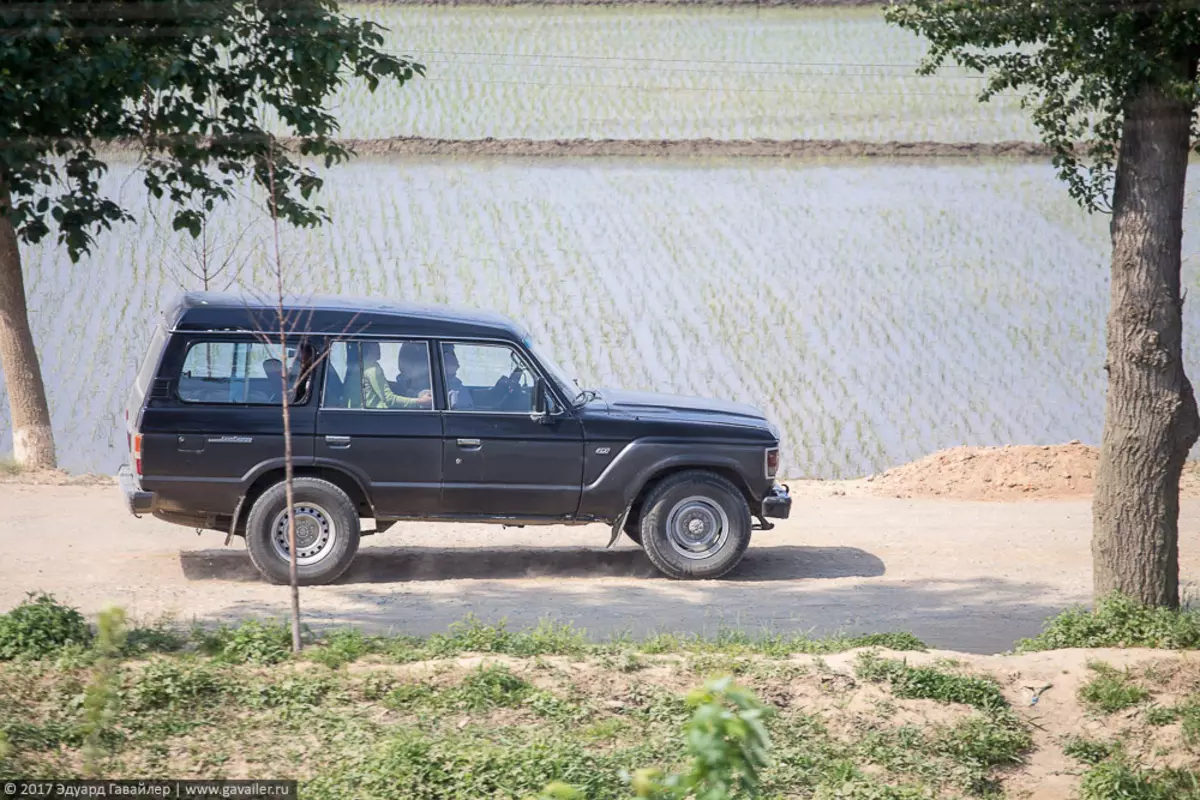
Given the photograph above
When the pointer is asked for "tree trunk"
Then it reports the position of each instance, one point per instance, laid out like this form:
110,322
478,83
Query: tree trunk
1150,418
33,439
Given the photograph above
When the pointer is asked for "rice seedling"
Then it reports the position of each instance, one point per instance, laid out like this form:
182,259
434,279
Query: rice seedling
749,281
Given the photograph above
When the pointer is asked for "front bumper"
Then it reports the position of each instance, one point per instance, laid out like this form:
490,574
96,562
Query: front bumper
778,503
137,501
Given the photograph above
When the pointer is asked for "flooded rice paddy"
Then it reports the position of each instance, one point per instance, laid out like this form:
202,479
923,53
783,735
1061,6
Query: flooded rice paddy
669,73
876,311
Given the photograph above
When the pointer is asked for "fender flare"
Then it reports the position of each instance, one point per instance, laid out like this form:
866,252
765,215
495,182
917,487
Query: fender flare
252,477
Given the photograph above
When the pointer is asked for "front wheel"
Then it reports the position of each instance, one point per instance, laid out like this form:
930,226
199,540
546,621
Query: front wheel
327,532
696,525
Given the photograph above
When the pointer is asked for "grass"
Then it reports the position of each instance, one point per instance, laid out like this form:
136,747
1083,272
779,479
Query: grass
1118,621
414,719
1111,690
931,683
1089,751
1186,713
449,731
1116,779
9,466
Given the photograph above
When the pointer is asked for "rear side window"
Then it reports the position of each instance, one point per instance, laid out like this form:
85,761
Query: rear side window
150,362
243,372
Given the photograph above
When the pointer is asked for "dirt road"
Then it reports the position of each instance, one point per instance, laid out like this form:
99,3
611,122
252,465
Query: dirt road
962,575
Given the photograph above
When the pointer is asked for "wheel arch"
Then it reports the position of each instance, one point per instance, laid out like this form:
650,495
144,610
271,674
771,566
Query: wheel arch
652,482
270,474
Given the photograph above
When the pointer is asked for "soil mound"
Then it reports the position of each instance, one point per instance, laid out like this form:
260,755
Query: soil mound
1004,473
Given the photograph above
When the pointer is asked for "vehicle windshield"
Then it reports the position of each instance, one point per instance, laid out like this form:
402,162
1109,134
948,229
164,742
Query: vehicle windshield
570,387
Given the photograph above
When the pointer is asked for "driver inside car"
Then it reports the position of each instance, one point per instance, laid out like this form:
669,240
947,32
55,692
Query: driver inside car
459,395
273,368
377,392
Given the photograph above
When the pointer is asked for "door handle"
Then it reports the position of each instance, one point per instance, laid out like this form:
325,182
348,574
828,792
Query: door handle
470,444
340,442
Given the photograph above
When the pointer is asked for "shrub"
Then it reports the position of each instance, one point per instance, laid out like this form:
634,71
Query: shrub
1110,690
41,627
252,642
1118,621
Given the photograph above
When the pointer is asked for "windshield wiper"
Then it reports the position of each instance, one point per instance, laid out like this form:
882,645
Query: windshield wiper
585,396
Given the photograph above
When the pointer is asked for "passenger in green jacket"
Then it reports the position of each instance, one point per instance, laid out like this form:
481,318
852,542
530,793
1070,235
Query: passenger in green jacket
377,393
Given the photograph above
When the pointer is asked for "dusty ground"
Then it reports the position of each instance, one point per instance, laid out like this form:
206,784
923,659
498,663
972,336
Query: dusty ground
962,575
1012,472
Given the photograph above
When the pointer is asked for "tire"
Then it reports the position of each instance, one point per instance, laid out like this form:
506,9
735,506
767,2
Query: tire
695,525
326,520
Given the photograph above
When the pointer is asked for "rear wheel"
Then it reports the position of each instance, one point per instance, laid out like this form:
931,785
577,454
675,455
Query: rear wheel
327,532
695,525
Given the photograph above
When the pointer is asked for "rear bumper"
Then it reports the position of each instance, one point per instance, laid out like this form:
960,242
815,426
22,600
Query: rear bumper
137,501
778,503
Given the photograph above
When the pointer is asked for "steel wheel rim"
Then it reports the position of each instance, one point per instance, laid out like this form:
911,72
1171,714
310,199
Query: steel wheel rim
697,527
316,534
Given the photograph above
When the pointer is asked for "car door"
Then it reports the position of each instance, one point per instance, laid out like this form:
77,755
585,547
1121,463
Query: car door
368,426
215,416
498,460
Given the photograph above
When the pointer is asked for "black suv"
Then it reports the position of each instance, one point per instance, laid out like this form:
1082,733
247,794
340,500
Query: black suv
402,412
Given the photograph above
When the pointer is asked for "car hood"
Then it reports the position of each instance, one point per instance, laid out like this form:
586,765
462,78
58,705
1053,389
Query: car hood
652,404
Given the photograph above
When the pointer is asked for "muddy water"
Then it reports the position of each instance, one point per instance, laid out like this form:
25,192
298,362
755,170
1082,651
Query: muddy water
876,311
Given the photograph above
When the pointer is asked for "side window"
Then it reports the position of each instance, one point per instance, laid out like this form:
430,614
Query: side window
150,361
243,373
487,377
377,375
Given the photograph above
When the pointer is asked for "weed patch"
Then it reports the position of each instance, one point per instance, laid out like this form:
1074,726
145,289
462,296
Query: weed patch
1089,751
175,685
930,683
41,627
1115,779
1111,690
340,647
251,642
1118,621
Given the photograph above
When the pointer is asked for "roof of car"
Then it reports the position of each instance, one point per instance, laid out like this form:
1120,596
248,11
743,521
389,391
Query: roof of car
335,314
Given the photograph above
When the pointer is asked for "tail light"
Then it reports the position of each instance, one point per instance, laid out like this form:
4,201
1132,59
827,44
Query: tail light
136,450
772,462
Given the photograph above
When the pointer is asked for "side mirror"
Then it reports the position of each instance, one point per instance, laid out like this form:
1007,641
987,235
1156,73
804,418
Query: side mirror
541,402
